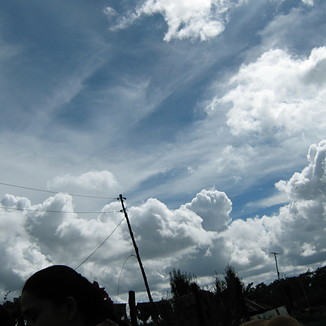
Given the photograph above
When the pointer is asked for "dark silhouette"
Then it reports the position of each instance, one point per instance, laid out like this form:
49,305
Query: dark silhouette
5,318
181,283
304,297
275,321
230,298
58,295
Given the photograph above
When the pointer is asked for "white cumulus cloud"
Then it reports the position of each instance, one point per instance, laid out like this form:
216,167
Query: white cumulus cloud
297,231
213,207
311,182
198,237
279,95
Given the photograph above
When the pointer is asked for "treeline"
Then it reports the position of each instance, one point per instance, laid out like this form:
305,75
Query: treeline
227,298
304,296
297,293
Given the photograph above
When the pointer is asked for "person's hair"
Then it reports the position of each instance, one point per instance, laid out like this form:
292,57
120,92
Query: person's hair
56,283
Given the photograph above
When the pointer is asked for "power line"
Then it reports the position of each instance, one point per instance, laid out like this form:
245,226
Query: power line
54,192
99,246
53,211
123,266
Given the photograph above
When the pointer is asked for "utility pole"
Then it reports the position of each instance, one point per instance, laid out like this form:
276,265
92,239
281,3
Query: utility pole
275,256
136,249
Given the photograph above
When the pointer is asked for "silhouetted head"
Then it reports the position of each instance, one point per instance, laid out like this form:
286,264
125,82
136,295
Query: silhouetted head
60,296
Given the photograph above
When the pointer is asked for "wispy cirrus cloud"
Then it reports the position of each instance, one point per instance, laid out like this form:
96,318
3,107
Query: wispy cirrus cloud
101,181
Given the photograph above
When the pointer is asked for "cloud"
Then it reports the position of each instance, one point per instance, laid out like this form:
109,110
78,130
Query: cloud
297,230
50,233
101,181
104,103
168,233
109,11
198,237
214,207
202,19
310,183
282,31
195,19
305,216
275,199
308,2
19,253
278,96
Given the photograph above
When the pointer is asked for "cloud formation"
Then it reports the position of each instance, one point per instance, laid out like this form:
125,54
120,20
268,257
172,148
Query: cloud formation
308,2
278,96
214,207
202,19
192,19
297,230
199,233
102,181
130,109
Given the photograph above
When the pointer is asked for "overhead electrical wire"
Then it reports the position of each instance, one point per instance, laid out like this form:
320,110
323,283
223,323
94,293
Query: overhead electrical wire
123,266
65,212
99,246
54,192
53,211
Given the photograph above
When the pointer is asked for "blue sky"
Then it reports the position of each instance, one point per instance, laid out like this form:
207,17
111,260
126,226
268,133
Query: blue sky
208,115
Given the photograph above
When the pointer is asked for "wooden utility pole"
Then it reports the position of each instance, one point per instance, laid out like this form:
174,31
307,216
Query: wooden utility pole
133,308
275,256
136,249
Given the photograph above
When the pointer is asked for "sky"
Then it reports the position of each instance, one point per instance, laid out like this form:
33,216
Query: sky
207,115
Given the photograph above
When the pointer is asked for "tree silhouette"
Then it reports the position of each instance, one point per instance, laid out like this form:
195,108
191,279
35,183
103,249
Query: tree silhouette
230,297
182,283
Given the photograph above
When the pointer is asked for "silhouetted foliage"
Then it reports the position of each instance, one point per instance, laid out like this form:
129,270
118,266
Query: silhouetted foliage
13,308
182,283
297,293
230,297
